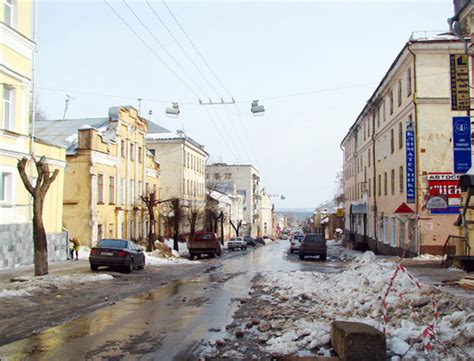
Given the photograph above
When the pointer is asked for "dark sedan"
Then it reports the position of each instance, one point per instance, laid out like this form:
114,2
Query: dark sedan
259,240
117,253
250,241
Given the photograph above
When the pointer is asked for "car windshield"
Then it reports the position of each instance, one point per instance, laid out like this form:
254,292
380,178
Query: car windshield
298,238
112,243
236,239
314,237
204,237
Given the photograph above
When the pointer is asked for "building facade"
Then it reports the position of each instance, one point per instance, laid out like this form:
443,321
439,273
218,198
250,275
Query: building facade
109,169
183,165
17,140
246,179
399,150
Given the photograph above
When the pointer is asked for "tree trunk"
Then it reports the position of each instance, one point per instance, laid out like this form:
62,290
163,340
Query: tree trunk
40,241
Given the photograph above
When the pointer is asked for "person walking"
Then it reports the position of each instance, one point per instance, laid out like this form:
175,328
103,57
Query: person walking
75,248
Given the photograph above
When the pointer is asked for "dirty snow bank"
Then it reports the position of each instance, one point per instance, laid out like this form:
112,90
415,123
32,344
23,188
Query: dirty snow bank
165,255
25,286
152,260
428,257
307,303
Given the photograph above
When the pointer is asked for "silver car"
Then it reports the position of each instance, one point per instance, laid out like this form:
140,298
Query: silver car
237,242
295,243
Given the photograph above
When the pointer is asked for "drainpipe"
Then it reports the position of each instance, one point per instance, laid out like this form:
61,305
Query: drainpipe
417,153
375,183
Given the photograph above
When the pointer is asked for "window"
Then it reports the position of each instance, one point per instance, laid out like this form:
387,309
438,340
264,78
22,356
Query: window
123,148
9,12
385,183
184,159
112,190
139,190
8,107
400,92
368,129
378,117
147,188
392,140
152,151
391,101
380,185
365,129
400,135
100,232
409,82
111,230
131,192
122,191
5,187
140,154
385,146
400,179
368,157
370,187
132,151
392,181
217,176
100,188
384,111
228,176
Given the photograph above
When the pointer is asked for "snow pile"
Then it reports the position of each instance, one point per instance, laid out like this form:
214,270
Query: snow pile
152,260
25,286
307,303
183,247
428,257
84,252
267,241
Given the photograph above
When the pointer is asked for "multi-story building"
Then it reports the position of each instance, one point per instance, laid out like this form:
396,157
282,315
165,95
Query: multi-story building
399,150
246,179
265,218
109,169
17,141
183,165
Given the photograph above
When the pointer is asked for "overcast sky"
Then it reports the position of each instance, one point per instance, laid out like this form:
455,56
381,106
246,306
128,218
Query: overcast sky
258,50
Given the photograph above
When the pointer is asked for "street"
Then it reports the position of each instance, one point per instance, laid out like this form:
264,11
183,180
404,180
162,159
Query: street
176,311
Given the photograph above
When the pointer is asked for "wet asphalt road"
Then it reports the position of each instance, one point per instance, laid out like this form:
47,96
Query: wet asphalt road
169,322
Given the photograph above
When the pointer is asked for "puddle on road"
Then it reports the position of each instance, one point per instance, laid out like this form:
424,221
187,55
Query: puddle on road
163,324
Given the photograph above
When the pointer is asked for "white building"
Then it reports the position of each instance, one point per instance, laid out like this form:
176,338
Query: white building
246,179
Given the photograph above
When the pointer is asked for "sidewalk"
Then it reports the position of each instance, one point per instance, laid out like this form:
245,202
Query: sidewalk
55,268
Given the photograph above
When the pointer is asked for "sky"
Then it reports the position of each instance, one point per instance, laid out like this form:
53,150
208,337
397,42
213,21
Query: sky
336,52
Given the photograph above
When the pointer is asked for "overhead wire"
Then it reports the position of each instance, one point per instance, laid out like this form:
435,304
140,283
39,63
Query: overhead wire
150,49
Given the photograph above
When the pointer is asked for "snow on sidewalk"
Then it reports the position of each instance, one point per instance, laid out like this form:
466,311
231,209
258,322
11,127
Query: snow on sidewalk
25,286
309,301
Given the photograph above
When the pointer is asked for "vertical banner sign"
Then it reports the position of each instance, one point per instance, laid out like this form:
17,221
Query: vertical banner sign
462,144
459,69
410,163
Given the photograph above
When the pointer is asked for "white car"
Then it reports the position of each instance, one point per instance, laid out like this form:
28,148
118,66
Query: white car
295,242
237,242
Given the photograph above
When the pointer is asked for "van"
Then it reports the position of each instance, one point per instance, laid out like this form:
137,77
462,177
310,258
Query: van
204,243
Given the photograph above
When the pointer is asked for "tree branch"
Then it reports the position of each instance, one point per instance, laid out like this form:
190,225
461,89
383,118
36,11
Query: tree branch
21,169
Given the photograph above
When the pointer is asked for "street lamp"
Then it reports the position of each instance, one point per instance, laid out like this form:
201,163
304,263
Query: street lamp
256,109
173,111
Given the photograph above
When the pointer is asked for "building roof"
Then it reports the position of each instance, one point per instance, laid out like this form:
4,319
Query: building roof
64,132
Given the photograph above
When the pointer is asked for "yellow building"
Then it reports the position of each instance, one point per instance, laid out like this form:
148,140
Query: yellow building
16,141
407,124
109,168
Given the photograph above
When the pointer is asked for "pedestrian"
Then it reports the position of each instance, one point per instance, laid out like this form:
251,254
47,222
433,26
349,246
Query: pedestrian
75,248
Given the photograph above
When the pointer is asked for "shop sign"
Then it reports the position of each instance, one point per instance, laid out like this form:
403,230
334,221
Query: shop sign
437,202
410,163
462,144
460,91
445,185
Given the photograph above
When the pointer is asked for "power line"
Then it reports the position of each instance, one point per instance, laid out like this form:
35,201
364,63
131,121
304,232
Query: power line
195,48
181,47
151,50
161,45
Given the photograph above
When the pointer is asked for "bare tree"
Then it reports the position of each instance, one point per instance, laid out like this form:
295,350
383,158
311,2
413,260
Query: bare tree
339,197
176,220
236,226
38,192
151,202
194,214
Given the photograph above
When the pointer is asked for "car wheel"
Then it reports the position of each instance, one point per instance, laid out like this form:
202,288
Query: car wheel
142,266
94,267
301,256
212,255
130,266
191,256
245,248
323,257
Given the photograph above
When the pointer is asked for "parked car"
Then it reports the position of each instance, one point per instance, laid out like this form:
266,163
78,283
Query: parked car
270,238
259,240
237,242
313,244
117,253
250,241
295,243
204,243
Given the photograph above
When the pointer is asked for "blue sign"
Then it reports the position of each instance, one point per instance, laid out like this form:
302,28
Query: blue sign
410,163
462,144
